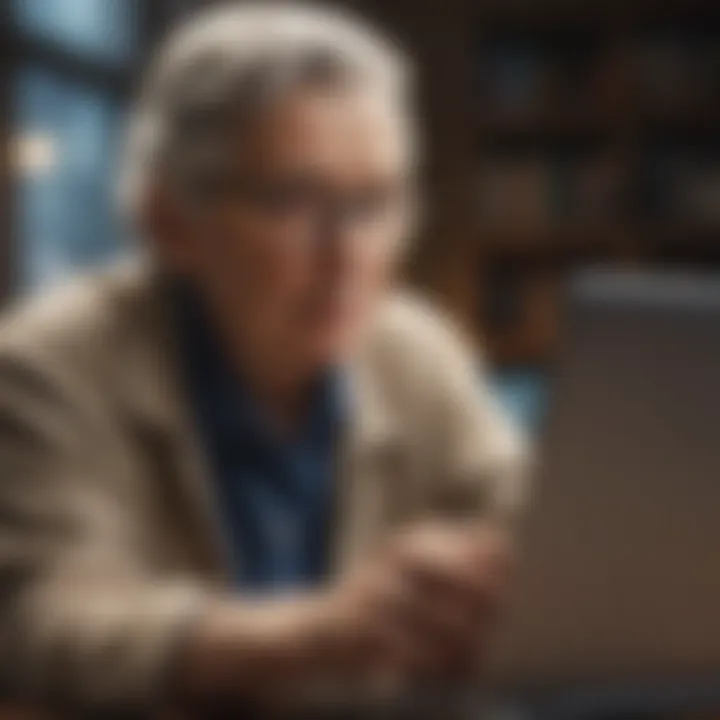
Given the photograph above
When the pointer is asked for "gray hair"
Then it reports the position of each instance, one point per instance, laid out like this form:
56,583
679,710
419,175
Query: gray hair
221,64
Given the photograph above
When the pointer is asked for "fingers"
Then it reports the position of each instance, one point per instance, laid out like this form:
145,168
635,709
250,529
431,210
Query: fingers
420,631
436,601
469,563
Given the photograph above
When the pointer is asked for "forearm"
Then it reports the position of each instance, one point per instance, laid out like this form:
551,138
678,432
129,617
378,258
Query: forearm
258,653
150,652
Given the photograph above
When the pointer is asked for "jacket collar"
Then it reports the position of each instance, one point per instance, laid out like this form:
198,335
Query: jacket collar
151,388
155,386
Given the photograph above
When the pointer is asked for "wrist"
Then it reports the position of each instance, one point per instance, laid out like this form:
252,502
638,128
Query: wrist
263,651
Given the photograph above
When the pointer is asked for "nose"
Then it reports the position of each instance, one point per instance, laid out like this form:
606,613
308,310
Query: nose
341,240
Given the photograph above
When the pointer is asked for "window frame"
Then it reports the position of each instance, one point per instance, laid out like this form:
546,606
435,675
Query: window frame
19,50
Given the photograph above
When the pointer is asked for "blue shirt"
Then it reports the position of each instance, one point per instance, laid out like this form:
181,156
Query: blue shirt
274,495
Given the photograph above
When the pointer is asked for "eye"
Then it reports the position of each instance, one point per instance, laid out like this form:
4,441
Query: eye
276,196
285,197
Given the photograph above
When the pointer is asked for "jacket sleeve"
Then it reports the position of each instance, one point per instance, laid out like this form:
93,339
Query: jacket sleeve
487,459
82,626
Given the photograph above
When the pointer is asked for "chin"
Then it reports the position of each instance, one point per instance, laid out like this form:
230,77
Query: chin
331,350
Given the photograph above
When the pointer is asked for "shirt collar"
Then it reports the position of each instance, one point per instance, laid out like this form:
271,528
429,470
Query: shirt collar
226,404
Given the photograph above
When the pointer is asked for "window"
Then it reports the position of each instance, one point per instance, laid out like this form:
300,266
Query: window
100,29
69,81
64,217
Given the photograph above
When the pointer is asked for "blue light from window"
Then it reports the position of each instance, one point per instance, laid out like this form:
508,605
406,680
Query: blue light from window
64,191
106,29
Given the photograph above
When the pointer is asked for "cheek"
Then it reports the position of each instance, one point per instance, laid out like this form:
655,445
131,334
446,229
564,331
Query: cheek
374,272
359,290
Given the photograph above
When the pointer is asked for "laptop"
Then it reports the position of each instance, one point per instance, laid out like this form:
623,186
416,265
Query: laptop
617,590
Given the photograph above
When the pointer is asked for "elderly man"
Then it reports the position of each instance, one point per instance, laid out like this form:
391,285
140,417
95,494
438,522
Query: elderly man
241,468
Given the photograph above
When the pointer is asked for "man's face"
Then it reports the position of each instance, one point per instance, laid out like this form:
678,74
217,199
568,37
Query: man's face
300,243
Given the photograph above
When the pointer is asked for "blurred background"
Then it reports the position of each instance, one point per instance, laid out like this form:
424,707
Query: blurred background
560,133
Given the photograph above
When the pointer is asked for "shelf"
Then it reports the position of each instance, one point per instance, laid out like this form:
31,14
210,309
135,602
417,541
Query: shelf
534,241
546,124
578,241
553,15
691,121
597,124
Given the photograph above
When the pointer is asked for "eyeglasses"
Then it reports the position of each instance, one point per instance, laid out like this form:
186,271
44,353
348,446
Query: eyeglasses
312,205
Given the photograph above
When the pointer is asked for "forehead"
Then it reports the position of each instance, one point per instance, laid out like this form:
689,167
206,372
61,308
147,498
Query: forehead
341,132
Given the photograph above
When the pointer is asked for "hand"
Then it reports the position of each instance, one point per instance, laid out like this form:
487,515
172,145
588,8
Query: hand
420,609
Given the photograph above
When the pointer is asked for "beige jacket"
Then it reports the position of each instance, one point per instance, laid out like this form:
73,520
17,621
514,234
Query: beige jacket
108,543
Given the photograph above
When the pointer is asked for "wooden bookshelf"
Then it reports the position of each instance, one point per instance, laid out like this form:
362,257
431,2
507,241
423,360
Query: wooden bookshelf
559,134
597,140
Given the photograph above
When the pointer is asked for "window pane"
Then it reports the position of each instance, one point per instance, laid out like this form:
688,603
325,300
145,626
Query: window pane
65,146
107,29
